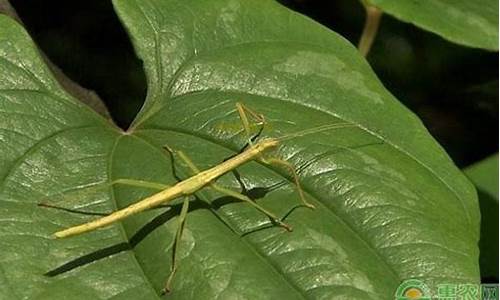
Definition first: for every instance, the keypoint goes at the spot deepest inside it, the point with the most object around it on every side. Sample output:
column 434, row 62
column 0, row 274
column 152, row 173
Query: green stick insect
column 255, row 150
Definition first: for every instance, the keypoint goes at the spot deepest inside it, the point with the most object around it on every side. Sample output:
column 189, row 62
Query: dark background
column 454, row 89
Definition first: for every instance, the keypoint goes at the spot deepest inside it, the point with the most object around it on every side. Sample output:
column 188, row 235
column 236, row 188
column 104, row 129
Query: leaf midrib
column 120, row 224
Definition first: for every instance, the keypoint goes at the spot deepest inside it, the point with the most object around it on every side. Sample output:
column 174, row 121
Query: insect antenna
column 315, row 130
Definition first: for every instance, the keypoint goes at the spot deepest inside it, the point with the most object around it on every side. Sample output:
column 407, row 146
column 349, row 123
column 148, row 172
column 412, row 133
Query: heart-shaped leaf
column 390, row 203
column 469, row 23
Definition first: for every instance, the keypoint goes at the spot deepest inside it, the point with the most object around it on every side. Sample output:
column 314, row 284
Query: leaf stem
column 372, row 21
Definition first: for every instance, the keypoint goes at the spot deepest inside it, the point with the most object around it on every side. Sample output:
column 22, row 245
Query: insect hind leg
column 178, row 235
column 291, row 169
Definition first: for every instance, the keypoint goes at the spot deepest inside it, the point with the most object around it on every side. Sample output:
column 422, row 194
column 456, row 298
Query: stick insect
column 254, row 150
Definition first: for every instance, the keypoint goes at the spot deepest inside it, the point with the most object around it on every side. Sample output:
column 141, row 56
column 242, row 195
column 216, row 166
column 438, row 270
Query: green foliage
column 470, row 23
column 391, row 204
column 484, row 175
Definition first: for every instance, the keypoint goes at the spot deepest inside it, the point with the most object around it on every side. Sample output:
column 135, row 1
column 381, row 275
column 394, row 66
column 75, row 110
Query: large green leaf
column 390, row 203
column 470, row 23
column 484, row 175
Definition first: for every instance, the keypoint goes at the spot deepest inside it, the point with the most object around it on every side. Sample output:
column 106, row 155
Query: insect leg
column 175, row 251
column 245, row 198
column 291, row 169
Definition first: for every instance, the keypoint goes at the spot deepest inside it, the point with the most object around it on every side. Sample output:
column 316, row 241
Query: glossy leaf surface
column 470, row 23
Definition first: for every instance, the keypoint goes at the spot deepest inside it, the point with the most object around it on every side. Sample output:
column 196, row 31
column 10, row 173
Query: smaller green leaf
column 484, row 175
column 465, row 22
